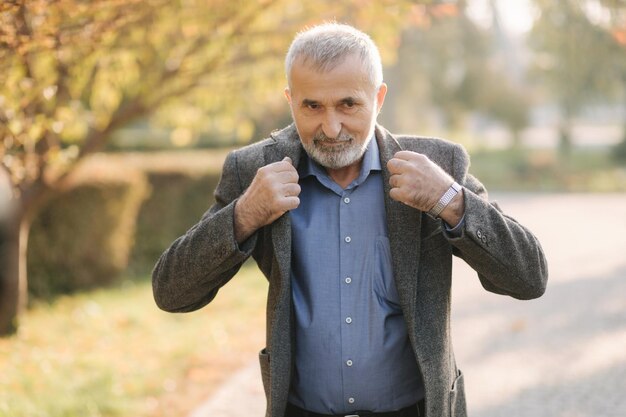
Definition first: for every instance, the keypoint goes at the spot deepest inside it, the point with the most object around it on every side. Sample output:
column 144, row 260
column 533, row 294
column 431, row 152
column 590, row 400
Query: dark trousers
column 416, row 410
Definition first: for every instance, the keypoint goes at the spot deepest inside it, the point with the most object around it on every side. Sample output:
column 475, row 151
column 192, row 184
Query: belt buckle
column 351, row 415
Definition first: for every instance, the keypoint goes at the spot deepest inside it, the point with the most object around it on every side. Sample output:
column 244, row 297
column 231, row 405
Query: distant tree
column 579, row 57
column 72, row 73
column 617, row 28
column 506, row 101
column 447, row 61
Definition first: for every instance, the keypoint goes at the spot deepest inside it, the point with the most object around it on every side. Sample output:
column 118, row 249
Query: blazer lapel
column 404, row 225
column 286, row 143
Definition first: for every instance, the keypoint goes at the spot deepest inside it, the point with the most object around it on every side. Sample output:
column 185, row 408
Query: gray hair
column 327, row 45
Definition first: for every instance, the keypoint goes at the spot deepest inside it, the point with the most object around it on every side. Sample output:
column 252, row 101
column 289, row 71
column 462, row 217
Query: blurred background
column 115, row 118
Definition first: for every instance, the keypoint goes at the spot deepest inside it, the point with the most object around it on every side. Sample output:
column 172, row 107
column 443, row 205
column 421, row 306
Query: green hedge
column 182, row 184
column 118, row 214
column 83, row 236
column 178, row 200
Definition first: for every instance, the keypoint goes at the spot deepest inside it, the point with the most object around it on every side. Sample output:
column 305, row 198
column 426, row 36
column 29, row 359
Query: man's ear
column 288, row 95
column 380, row 96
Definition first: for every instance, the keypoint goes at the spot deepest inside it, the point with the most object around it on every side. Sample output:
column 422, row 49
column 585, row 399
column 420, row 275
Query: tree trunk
column 14, row 231
column 565, row 138
column 13, row 282
column 516, row 139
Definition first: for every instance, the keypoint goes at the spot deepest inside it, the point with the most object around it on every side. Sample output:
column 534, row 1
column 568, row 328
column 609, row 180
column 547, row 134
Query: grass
column 112, row 353
column 584, row 170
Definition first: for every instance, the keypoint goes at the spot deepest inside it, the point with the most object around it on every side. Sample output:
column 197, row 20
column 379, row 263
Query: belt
column 415, row 410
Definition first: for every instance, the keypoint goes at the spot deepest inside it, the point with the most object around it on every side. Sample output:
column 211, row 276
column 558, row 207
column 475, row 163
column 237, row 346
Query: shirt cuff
column 457, row 230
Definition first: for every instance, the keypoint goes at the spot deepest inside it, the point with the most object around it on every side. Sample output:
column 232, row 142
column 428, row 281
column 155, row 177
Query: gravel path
column 563, row 355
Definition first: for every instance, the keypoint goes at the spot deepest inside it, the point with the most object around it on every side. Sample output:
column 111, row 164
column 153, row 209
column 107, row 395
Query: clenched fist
column 273, row 191
column 418, row 182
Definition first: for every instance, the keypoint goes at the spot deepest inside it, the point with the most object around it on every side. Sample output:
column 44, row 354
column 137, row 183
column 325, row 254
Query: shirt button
column 349, row 362
column 351, row 400
column 348, row 280
column 348, row 239
column 348, row 320
column 346, row 200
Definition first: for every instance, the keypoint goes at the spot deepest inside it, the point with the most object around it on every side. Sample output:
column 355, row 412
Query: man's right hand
column 273, row 191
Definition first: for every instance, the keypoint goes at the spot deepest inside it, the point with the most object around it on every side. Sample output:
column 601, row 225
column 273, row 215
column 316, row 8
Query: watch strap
column 445, row 199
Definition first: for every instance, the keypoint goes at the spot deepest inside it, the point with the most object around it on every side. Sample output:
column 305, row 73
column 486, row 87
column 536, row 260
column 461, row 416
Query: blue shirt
column 352, row 349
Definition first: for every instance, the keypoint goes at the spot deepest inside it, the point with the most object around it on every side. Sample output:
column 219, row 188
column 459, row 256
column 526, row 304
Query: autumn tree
column 72, row 73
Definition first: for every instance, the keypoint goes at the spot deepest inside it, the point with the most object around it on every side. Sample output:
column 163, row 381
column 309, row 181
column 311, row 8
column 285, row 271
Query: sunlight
column 516, row 16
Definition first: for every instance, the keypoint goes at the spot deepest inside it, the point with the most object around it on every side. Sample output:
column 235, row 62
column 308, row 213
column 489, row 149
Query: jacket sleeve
column 508, row 258
column 190, row 272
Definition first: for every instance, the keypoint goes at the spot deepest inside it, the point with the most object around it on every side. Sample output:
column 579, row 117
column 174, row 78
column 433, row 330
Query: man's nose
column 331, row 125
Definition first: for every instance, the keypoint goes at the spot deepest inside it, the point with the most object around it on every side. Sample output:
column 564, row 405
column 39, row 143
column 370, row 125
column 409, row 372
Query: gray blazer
column 507, row 257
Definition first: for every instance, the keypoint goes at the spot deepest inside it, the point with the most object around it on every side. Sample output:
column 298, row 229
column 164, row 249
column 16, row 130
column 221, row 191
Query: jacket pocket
column 264, row 360
column 457, row 397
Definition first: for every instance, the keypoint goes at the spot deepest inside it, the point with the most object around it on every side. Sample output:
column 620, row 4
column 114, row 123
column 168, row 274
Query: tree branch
column 237, row 31
column 126, row 113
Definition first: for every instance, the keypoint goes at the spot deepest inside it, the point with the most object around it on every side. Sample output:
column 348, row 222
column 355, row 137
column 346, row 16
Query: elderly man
column 355, row 229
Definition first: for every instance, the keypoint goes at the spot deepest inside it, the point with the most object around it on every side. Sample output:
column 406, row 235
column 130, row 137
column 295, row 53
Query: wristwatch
column 445, row 199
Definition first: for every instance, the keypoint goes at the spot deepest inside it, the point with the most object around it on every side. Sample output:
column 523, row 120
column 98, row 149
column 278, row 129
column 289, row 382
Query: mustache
column 341, row 137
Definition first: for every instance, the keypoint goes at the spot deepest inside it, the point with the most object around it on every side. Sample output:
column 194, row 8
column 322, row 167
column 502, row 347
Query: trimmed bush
column 83, row 236
column 177, row 202
column 618, row 152
column 182, row 184
column 104, row 221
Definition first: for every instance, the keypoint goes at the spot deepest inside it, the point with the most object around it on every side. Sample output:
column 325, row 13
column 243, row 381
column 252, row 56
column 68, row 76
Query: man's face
column 334, row 111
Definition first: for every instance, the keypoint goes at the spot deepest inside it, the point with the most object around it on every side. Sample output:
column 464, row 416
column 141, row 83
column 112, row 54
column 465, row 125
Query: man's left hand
column 418, row 182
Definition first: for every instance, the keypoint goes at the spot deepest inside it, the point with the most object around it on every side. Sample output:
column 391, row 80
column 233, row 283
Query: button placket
column 350, row 221
column 346, row 229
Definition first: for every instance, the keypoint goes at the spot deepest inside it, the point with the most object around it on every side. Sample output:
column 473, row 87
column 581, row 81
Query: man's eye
column 349, row 105
column 313, row 106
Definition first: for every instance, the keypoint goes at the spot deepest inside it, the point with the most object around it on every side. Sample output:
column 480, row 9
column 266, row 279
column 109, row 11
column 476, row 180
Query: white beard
column 337, row 156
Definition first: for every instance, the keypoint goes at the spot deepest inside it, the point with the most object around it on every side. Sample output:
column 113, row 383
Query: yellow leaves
column 71, row 121
column 59, row 158
column 84, row 61
column 27, row 131
column 104, row 101
column 118, row 75
column 190, row 30
column 36, row 129
column 49, row 92
column 15, row 127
